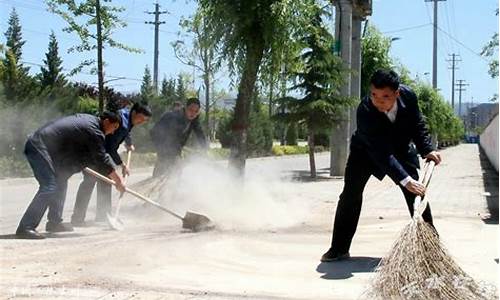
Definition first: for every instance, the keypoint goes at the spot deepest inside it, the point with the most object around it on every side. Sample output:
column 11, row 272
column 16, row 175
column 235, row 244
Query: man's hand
column 119, row 184
column 125, row 170
column 130, row 147
column 415, row 187
column 434, row 156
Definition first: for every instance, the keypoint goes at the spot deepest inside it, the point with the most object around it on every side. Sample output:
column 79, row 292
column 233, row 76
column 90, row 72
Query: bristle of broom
column 419, row 267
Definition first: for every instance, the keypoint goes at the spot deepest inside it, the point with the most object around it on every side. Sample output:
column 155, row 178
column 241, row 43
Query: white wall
column 489, row 142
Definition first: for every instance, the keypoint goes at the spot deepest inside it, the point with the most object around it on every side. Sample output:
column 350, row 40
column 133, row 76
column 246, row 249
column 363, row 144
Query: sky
column 464, row 28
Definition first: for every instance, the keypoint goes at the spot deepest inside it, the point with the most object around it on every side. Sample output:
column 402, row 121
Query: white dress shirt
column 391, row 114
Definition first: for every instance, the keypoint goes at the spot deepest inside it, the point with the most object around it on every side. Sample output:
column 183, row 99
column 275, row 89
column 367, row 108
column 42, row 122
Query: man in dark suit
column 171, row 133
column 55, row 152
column 137, row 115
column 388, row 121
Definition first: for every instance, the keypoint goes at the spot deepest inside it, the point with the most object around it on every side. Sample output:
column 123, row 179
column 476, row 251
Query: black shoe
column 30, row 234
column 82, row 223
column 331, row 255
column 58, row 227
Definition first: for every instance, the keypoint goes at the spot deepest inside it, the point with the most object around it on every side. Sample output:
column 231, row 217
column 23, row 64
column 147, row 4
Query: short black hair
column 112, row 116
column 193, row 101
column 142, row 108
column 385, row 78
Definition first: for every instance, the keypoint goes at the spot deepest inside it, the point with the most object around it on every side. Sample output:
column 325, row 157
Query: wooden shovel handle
column 142, row 197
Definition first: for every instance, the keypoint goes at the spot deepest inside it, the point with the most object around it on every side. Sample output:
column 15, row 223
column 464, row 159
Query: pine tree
column 147, row 86
column 14, row 73
column 180, row 92
column 13, row 36
column 51, row 75
column 164, row 88
column 168, row 92
column 320, row 82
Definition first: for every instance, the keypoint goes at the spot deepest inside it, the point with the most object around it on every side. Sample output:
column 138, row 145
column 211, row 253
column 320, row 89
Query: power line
column 86, row 73
column 407, row 28
column 463, row 45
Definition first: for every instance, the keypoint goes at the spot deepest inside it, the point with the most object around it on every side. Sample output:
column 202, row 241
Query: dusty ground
column 268, row 243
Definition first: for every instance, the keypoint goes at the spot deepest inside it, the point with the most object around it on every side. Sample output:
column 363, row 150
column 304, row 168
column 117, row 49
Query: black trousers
column 51, row 193
column 83, row 197
column 358, row 171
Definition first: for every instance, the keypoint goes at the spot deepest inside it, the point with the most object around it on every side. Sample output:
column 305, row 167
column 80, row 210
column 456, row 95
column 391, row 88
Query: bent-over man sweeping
column 388, row 121
column 58, row 150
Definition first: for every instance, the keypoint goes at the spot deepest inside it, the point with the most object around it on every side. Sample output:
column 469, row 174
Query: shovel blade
column 196, row 222
column 114, row 223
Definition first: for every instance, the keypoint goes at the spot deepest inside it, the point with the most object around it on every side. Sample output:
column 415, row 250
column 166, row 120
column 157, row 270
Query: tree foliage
column 374, row 55
column 248, row 33
column 320, row 81
column 51, row 75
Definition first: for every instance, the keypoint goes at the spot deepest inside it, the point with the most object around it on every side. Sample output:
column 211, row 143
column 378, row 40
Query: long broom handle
column 129, row 156
column 421, row 202
column 142, row 197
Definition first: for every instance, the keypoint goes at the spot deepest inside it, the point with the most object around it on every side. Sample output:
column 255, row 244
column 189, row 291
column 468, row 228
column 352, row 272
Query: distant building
column 478, row 117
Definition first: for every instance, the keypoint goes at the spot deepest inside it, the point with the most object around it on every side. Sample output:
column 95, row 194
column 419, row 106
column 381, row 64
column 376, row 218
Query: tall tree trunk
column 312, row 161
column 206, row 82
column 271, row 90
column 246, row 89
column 100, row 75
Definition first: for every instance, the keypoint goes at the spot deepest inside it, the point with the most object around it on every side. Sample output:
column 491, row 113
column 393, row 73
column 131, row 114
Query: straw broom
column 419, row 267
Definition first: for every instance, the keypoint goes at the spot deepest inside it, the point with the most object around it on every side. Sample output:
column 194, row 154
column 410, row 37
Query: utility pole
column 454, row 60
column 339, row 141
column 461, row 88
column 157, row 24
column 100, row 73
column 434, row 44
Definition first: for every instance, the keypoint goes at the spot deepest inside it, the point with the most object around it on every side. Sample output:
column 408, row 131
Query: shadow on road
column 490, row 182
column 305, row 175
column 345, row 268
column 47, row 235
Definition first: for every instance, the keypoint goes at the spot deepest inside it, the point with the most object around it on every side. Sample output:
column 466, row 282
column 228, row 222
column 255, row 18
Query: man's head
column 110, row 122
column 140, row 113
column 384, row 89
column 192, row 109
column 177, row 106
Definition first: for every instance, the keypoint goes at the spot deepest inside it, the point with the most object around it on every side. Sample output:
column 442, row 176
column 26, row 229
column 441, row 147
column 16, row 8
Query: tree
column 374, row 55
column 14, row 73
column 180, row 92
column 168, row 91
column 82, row 18
column 443, row 124
column 260, row 133
column 51, row 73
column 13, row 36
column 147, row 89
column 490, row 50
column 202, row 56
column 246, row 31
column 320, row 82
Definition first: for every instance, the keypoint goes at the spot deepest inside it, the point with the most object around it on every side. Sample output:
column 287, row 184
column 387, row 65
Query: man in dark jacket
column 138, row 114
column 170, row 135
column 55, row 152
column 387, row 122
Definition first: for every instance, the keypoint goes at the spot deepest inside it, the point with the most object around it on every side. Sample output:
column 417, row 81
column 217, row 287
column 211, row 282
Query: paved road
column 271, row 233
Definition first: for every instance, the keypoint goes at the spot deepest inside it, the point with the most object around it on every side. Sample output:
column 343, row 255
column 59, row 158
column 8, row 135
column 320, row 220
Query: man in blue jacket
column 138, row 114
column 171, row 133
column 55, row 152
column 388, row 121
